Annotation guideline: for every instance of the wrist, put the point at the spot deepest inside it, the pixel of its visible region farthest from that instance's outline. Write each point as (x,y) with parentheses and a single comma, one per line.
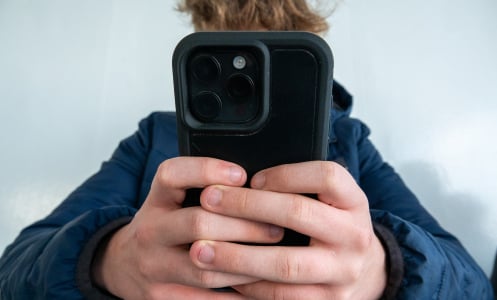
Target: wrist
(97,267)
(90,267)
(107,266)
(394,262)
(377,276)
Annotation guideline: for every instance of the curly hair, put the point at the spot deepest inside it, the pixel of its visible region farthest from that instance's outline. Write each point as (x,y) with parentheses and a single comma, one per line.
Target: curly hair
(253,15)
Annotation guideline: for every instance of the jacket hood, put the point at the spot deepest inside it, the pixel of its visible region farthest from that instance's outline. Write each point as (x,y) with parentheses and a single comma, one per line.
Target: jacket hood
(341,106)
(342,99)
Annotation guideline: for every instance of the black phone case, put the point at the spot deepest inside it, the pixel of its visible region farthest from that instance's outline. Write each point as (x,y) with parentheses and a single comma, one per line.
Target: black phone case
(293,116)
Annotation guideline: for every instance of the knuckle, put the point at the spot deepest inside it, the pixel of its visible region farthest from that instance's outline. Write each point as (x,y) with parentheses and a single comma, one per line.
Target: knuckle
(243,202)
(279,293)
(146,267)
(204,169)
(353,272)
(286,173)
(329,170)
(164,174)
(209,169)
(288,269)
(200,168)
(153,292)
(328,174)
(343,294)
(298,211)
(199,225)
(205,278)
(364,239)
(233,261)
(143,235)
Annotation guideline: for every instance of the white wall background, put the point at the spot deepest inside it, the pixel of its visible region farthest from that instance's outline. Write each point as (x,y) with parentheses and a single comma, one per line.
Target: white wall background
(76,76)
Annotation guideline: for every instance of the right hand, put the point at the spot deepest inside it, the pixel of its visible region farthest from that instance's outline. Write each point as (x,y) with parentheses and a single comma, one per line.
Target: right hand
(149,257)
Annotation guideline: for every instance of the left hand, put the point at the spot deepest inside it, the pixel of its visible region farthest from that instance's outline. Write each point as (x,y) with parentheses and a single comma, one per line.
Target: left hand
(345,260)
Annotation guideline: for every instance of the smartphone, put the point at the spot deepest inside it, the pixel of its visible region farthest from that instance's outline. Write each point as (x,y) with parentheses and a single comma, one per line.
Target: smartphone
(258,99)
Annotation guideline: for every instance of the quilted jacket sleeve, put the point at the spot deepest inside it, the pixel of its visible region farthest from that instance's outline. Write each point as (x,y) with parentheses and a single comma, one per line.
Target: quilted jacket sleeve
(436,266)
(41,262)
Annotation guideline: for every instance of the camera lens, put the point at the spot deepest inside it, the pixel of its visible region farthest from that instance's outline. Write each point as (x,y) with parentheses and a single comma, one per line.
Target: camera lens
(206,106)
(206,68)
(240,86)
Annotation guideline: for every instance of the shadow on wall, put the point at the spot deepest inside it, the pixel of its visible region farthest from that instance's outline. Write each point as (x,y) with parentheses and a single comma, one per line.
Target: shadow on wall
(460,213)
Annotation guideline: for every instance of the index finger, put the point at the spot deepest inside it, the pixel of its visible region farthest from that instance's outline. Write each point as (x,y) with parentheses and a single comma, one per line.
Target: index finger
(174,176)
(332,183)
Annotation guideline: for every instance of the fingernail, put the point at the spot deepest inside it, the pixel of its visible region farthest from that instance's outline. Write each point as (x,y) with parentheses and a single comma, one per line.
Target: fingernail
(214,196)
(206,254)
(275,231)
(258,181)
(235,174)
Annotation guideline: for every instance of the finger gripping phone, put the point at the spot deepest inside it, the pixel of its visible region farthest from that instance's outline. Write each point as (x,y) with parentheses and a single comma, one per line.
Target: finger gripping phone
(258,99)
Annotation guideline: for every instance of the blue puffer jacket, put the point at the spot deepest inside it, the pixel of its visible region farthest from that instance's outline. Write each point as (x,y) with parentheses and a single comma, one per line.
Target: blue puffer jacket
(47,259)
